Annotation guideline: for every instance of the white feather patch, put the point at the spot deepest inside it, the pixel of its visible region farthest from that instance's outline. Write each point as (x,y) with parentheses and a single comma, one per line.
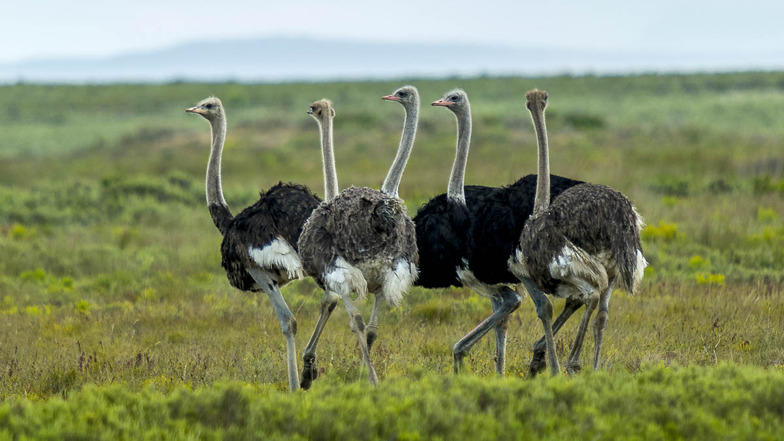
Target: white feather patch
(278,254)
(639,271)
(398,280)
(640,220)
(467,278)
(345,278)
(516,266)
(576,267)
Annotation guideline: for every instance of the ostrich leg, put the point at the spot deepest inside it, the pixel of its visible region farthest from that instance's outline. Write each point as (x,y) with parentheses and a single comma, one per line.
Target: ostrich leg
(500,338)
(544,309)
(358,326)
(372,327)
(538,362)
(509,301)
(309,370)
(600,324)
(591,294)
(287,322)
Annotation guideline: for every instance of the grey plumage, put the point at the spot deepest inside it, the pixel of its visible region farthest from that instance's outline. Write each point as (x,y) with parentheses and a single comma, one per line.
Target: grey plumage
(360,241)
(593,218)
(579,246)
(366,228)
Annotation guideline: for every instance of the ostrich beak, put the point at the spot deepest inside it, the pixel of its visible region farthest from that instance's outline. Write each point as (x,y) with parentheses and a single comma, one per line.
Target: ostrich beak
(390,98)
(194,110)
(310,111)
(440,103)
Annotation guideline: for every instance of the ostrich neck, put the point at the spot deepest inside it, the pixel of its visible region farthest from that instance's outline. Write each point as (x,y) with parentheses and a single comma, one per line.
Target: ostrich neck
(542,198)
(214,186)
(219,211)
(392,181)
(328,161)
(456,190)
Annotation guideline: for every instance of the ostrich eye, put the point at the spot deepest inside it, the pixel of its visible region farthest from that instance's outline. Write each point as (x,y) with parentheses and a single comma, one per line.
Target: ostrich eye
(209,106)
(454,98)
(401,94)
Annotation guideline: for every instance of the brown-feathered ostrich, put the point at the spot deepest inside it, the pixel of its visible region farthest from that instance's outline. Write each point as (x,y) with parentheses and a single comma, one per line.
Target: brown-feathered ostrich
(467,235)
(259,249)
(578,246)
(408,97)
(360,241)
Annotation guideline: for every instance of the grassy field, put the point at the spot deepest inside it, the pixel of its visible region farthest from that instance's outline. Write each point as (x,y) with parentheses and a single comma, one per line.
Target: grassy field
(110,277)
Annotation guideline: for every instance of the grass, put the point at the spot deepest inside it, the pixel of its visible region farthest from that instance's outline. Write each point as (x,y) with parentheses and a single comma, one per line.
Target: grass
(110,277)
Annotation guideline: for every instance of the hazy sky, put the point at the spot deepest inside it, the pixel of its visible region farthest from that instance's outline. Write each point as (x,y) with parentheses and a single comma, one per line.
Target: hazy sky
(44,29)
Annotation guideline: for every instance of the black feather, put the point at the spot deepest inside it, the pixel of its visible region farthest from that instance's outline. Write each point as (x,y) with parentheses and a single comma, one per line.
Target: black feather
(281,211)
(441,231)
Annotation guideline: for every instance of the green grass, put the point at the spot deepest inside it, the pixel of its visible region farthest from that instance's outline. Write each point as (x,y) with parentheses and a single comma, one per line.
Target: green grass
(110,277)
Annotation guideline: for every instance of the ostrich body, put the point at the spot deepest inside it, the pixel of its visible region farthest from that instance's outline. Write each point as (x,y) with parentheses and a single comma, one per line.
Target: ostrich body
(579,247)
(259,249)
(359,241)
(466,236)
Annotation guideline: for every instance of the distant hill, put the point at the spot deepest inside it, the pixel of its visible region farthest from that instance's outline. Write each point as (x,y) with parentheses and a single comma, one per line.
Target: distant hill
(295,59)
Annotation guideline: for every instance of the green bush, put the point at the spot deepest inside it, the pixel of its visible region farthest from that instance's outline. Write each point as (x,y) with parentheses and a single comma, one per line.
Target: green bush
(726,402)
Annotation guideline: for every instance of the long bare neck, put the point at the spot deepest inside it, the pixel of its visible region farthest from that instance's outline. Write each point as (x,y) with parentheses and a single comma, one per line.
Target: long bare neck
(328,160)
(219,210)
(455,191)
(542,198)
(392,181)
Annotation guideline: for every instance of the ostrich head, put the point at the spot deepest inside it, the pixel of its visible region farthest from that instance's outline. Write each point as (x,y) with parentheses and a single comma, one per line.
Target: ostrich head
(536,99)
(209,108)
(406,95)
(321,110)
(455,100)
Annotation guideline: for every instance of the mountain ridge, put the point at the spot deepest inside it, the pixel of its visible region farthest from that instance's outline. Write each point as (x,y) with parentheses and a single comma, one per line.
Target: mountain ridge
(274,59)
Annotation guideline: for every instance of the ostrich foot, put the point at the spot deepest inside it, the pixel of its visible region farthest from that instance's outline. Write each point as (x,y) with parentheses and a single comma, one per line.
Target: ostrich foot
(309,372)
(538,364)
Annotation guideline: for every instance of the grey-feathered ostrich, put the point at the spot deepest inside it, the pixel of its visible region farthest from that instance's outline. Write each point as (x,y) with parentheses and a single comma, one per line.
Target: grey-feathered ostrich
(259,249)
(360,241)
(578,246)
(408,97)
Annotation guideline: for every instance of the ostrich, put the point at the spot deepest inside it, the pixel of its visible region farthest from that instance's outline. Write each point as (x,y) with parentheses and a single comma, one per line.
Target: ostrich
(466,236)
(442,226)
(408,97)
(579,246)
(259,249)
(361,240)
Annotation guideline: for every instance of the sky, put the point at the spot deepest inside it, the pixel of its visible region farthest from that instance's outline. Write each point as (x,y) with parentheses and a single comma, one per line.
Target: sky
(32,30)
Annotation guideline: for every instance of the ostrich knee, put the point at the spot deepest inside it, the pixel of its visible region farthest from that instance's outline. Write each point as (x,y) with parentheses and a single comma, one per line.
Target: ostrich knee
(289,326)
(357,324)
(372,334)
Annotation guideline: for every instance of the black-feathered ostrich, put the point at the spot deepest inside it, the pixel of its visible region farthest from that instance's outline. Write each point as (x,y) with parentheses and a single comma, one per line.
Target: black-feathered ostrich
(467,235)
(442,235)
(259,249)
(360,241)
(578,246)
